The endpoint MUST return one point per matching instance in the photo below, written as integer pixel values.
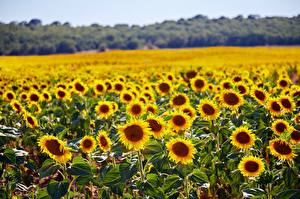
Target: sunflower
(79, 87)
(135, 109)
(281, 149)
(208, 109)
(280, 126)
(55, 148)
(198, 84)
(151, 108)
(46, 96)
(108, 85)
(17, 106)
(260, 95)
(33, 96)
(178, 100)
(226, 84)
(126, 97)
(283, 83)
(114, 106)
(273, 105)
(149, 95)
(35, 107)
(87, 144)
(157, 126)
(181, 150)
(134, 134)
(189, 110)
(295, 136)
(23, 96)
(118, 87)
(297, 118)
(62, 94)
(231, 99)
(30, 120)
(243, 89)
(104, 109)
(242, 138)
(104, 141)
(9, 95)
(164, 88)
(287, 103)
(179, 121)
(99, 87)
(251, 166)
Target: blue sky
(110, 12)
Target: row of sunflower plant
(187, 134)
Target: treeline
(26, 38)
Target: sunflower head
(260, 95)
(99, 87)
(281, 149)
(164, 87)
(55, 148)
(242, 138)
(287, 103)
(231, 99)
(9, 95)
(208, 109)
(273, 105)
(243, 88)
(280, 126)
(134, 134)
(295, 136)
(151, 108)
(104, 141)
(87, 144)
(198, 84)
(17, 106)
(283, 83)
(79, 87)
(135, 109)
(179, 121)
(179, 99)
(118, 86)
(46, 96)
(34, 96)
(126, 97)
(104, 109)
(181, 150)
(157, 126)
(30, 120)
(62, 94)
(251, 166)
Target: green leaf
(80, 167)
(172, 182)
(153, 179)
(127, 170)
(10, 155)
(112, 176)
(48, 168)
(289, 194)
(57, 189)
(256, 192)
(42, 194)
(199, 177)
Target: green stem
(186, 187)
(140, 156)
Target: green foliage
(34, 38)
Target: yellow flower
(280, 126)
(287, 103)
(179, 121)
(260, 95)
(135, 109)
(79, 87)
(281, 149)
(157, 126)
(55, 148)
(9, 95)
(295, 136)
(104, 109)
(17, 106)
(251, 166)
(104, 141)
(87, 144)
(242, 138)
(31, 121)
(189, 110)
(181, 150)
(126, 97)
(178, 100)
(208, 109)
(134, 134)
(231, 99)
(164, 87)
(274, 107)
(198, 84)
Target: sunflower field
(194, 123)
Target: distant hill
(27, 38)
